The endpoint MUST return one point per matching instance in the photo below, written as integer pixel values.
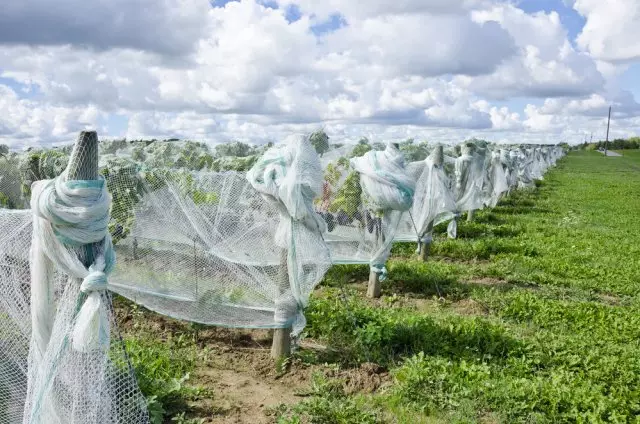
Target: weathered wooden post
(375, 285)
(83, 165)
(469, 216)
(281, 345)
(425, 248)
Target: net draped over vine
(470, 180)
(498, 183)
(362, 202)
(525, 165)
(223, 248)
(61, 358)
(433, 201)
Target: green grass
(531, 316)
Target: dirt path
(610, 153)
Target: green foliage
(236, 148)
(229, 163)
(531, 315)
(162, 370)
(361, 148)
(320, 141)
(328, 405)
(5, 202)
(369, 334)
(126, 188)
(4, 150)
(434, 383)
(414, 151)
(349, 195)
(112, 146)
(41, 165)
(194, 156)
(617, 144)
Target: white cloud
(422, 44)
(163, 26)
(611, 30)
(395, 69)
(26, 123)
(547, 66)
(375, 8)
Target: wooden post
(83, 165)
(281, 345)
(375, 286)
(469, 216)
(425, 249)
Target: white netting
(510, 163)
(525, 162)
(11, 196)
(63, 362)
(433, 201)
(223, 248)
(470, 178)
(230, 249)
(497, 181)
(362, 202)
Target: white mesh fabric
(514, 164)
(59, 370)
(362, 203)
(525, 162)
(15, 321)
(536, 163)
(433, 203)
(497, 180)
(229, 249)
(469, 181)
(10, 184)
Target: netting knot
(92, 328)
(95, 281)
(379, 269)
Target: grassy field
(530, 316)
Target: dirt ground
(244, 382)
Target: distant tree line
(617, 144)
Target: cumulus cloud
(353, 9)
(256, 71)
(423, 44)
(24, 122)
(623, 105)
(163, 26)
(611, 30)
(547, 64)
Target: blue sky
(571, 20)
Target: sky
(537, 71)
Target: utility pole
(606, 142)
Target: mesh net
(470, 179)
(497, 181)
(362, 201)
(11, 195)
(229, 249)
(433, 201)
(55, 367)
(239, 249)
(525, 164)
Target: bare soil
(244, 384)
